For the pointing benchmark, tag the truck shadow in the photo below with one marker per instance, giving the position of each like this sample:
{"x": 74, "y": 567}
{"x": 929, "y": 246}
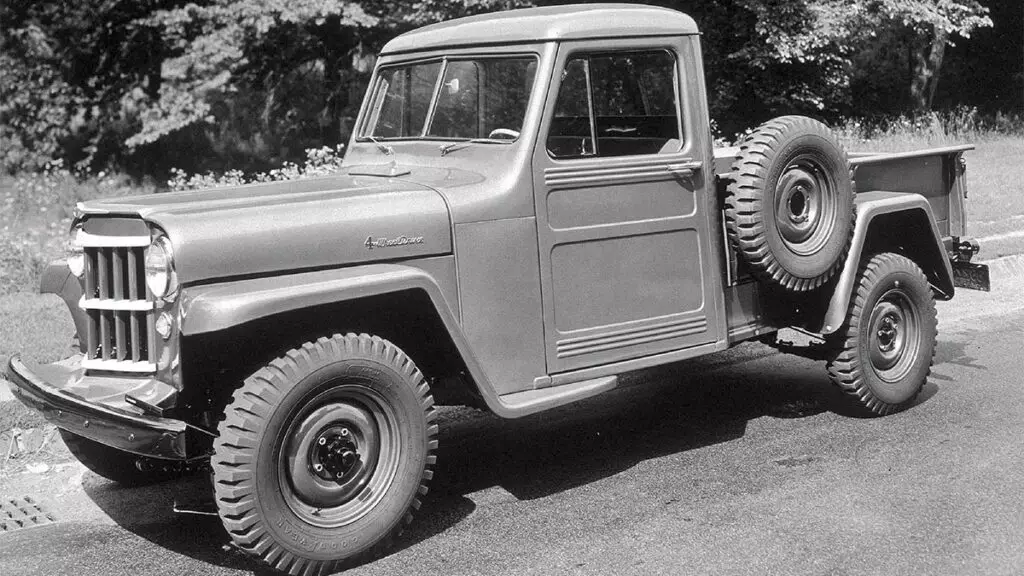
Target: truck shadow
{"x": 653, "y": 413}
{"x": 677, "y": 409}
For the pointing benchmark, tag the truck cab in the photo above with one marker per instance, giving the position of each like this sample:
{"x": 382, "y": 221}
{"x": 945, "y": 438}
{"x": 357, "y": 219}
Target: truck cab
{"x": 530, "y": 206}
{"x": 578, "y": 170}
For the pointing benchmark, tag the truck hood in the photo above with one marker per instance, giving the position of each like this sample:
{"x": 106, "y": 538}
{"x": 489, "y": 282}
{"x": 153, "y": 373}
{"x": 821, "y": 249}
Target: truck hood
{"x": 285, "y": 226}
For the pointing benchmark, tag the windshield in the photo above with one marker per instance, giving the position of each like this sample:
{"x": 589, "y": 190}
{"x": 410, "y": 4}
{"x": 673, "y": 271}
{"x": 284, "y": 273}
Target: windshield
{"x": 475, "y": 98}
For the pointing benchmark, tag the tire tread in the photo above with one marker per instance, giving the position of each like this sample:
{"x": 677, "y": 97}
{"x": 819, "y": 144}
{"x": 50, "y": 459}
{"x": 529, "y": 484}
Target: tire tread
{"x": 241, "y": 424}
{"x": 844, "y": 366}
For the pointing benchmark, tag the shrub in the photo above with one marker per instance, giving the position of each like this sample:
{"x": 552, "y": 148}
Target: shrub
{"x": 956, "y": 125}
{"x": 319, "y": 162}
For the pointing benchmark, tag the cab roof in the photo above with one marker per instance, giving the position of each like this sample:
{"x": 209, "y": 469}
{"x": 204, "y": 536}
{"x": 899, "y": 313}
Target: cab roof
{"x": 570, "y": 22}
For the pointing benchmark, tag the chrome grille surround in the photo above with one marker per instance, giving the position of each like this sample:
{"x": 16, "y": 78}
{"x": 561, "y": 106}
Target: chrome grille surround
{"x": 119, "y": 307}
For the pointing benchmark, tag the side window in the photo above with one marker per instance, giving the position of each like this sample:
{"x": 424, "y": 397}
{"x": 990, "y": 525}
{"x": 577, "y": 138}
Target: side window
{"x": 631, "y": 103}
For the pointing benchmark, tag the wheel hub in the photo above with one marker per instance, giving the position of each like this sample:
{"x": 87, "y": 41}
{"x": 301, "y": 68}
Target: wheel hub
{"x": 334, "y": 455}
{"x": 894, "y": 336}
{"x": 339, "y": 456}
{"x": 888, "y": 333}
{"x": 804, "y": 206}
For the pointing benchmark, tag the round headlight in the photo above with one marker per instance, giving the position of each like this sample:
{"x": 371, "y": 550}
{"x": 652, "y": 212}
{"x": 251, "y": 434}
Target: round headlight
{"x": 160, "y": 268}
{"x": 76, "y": 254}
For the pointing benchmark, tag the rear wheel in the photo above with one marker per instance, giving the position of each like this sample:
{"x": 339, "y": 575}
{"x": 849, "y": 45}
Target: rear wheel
{"x": 324, "y": 454}
{"x": 117, "y": 465}
{"x": 882, "y": 356}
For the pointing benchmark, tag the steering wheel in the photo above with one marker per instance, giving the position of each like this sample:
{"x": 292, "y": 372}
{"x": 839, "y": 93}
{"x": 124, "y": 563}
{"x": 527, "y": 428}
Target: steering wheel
{"x": 510, "y": 134}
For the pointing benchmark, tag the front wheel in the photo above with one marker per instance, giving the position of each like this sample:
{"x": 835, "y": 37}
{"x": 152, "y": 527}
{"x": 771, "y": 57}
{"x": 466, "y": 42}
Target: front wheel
{"x": 882, "y": 356}
{"x": 324, "y": 453}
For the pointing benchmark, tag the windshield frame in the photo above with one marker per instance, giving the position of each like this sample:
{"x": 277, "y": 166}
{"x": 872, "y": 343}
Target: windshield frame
{"x": 375, "y": 96}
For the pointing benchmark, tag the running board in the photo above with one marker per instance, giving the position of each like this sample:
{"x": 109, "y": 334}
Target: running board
{"x": 530, "y": 401}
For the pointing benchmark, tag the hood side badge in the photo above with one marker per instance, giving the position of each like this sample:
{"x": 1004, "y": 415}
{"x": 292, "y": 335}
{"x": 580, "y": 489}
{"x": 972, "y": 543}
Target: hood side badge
{"x": 385, "y": 242}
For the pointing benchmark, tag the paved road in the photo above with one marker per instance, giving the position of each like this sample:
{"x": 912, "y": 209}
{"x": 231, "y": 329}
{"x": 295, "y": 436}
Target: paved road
{"x": 741, "y": 463}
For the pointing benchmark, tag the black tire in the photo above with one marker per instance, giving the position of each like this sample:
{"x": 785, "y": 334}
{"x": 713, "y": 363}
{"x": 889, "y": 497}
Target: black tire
{"x": 789, "y": 210}
{"x": 117, "y": 465}
{"x": 311, "y": 506}
{"x": 882, "y": 356}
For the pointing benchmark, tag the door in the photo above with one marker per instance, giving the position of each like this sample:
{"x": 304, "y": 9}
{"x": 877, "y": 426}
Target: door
{"x": 621, "y": 218}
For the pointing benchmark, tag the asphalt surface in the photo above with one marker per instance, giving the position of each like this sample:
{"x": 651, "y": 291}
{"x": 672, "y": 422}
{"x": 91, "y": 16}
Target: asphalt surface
{"x": 739, "y": 463}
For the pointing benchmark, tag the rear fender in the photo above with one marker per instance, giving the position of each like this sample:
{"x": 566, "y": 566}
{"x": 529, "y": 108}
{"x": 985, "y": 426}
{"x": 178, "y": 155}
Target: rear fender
{"x": 213, "y": 308}
{"x": 891, "y": 222}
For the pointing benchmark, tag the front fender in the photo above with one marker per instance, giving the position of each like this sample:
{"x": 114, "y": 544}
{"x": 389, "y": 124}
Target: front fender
{"x": 57, "y": 279}
{"x": 212, "y": 308}
{"x": 930, "y": 253}
{"x": 217, "y": 307}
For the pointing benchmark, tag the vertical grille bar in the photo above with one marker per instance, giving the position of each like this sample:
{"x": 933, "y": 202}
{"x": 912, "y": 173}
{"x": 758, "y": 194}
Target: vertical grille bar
{"x": 150, "y": 336}
{"x": 91, "y": 272}
{"x": 121, "y": 332}
{"x": 92, "y": 335}
{"x": 103, "y": 274}
{"x": 118, "y": 256}
{"x": 134, "y": 278}
{"x": 133, "y": 274}
{"x": 105, "y": 333}
{"x": 136, "y": 348}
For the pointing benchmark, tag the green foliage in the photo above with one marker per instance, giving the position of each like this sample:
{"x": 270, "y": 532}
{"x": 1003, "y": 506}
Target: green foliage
{"x": 250, "y": 84}
{"x": 771, "y": 57}
{"x": 932, "y": 128}
{"x": 36, "y": 104}
{"x": 269, "y": 78}
{"x": 72, "y": 63}
{"x": 319, "y": 162}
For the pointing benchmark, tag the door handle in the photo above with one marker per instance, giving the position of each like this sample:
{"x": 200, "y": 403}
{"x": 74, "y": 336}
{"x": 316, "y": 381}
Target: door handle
{"x": 685, "y": 168}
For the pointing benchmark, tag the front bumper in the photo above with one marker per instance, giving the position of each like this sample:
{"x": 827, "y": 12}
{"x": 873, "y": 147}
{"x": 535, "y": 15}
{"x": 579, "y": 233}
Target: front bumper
{"x": 51, "y": 389}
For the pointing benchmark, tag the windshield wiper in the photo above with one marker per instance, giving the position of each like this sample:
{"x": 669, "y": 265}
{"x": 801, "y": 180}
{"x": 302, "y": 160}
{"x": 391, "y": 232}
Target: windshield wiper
{"x": 380, "y": 145}
{"x": 453, "y": 146}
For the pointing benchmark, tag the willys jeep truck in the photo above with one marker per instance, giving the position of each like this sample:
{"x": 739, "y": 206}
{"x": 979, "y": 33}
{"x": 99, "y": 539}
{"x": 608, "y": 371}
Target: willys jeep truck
{"x": 530, "y": 206}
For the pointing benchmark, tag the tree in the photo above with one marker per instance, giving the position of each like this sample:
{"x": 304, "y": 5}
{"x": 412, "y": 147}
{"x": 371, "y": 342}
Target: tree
{"x": 67, "y": 66}
{"x": 274, "y": 77}
{"x": 209, "y": 84}
{"x": 831, "y": 33}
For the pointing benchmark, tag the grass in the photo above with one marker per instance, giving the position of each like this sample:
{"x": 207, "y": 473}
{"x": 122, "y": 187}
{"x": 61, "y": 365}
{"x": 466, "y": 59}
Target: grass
{"x": 39, "y": 328}
{"x": 35, "y": 214}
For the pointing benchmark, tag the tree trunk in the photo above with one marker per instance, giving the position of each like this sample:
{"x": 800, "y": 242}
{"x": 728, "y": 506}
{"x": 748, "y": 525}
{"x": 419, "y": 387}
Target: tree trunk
{"x": 928, "y": 56}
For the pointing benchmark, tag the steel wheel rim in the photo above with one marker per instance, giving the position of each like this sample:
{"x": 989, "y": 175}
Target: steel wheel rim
{"x": 805, "y": 205}
{"x": 318, "y": 482}
{"x": 894, "y": 336}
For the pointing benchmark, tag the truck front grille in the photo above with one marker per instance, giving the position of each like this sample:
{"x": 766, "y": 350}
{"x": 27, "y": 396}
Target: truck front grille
{"x": 119, "y": 307}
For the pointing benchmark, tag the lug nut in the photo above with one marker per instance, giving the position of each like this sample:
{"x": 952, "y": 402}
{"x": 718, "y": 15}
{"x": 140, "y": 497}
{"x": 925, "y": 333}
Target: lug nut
{"x": 318, "y": 467}
{"x": 344, "y": 431}
{"x": 322, "y": 441}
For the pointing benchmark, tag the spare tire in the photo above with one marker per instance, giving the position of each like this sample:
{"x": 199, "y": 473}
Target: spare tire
{"x": 789, "y": 210}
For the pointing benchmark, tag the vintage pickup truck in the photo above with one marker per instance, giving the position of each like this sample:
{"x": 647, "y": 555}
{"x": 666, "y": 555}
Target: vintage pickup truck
{"x": 530, "y": 206}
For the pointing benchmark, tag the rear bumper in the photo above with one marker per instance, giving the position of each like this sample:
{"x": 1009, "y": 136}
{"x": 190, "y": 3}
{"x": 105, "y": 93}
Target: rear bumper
{"x": 44, "y": 388}
{"x": 965, "y": 273}
{"x": 971, "y": 276}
